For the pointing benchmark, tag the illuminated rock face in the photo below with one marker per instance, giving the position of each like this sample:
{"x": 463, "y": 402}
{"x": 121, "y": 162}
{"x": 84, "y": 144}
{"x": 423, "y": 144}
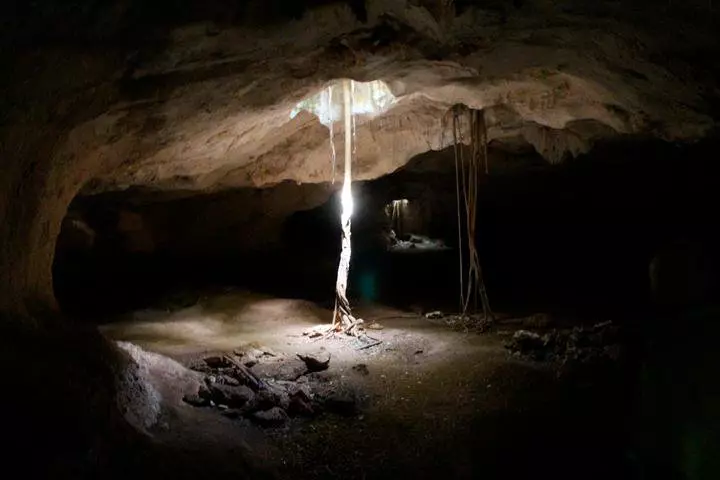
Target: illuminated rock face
{"x": 208, "y": 107}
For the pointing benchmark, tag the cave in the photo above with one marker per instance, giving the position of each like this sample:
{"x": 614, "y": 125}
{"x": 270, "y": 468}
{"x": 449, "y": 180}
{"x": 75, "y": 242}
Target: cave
{"x": 528, "y": 189}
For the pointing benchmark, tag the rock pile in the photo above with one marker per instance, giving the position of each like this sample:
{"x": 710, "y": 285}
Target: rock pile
{"x": 599, "y": 343}
{"x": 269, "y": 388}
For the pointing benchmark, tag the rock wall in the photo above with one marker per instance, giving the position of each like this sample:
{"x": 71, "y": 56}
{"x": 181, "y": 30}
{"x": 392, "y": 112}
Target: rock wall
{"x": 156, "y": 99}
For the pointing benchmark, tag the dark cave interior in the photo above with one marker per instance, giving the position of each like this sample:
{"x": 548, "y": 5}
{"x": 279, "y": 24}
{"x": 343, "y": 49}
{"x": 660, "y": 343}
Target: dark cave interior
{"x": 596, "y": 223}
{"x": 171, "y": 238}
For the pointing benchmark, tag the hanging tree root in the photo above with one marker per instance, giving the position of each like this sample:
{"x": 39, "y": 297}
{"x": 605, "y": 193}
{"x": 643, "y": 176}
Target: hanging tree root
{"x": 345, "y": 322}
{"x": 467, "y": 173}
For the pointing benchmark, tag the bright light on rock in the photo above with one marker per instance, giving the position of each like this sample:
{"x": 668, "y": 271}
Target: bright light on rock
{"x": 369, "y": 98}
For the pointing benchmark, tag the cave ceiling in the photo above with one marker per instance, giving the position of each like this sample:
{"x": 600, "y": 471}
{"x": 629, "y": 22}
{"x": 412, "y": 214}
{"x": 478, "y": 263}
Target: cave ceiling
{"x": 208, "y": 107}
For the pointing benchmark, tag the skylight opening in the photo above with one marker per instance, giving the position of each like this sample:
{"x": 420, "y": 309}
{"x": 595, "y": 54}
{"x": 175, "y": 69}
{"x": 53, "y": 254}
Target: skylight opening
{"x": 369, "y": 99}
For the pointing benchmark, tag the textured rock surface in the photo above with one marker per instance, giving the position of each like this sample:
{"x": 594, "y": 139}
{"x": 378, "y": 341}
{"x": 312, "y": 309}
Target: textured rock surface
{"x": 199, "y": 103}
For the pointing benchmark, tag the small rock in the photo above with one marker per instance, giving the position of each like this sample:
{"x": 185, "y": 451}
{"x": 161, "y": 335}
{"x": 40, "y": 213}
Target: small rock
{"x": 231, "y": 396}
{"x": 302, "y": 391}
{"x": 316, "y": 362}
{"x": 434, "y": 315}
{"x": 269, "y": 398}
{"x": 361, "y": 368}
{"x": 228, "y": 380}
{"x": 273, "y": 417}
{"x": 196, "y": 400}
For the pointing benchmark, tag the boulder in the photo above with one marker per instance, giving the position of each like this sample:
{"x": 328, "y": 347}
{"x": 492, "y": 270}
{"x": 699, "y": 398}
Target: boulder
{"x": 274, "y": 417}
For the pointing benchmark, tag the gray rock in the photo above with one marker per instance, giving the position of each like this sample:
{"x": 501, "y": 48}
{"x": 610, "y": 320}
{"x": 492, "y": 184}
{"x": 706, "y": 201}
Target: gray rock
{"x": 270, "y": 397}
{"x": 231, "y": 396}
{"x": 316, "y": 362}
{"x": 301, "y": 390}
{"x": 228, "y": 380}
{"x": 280, "y": 369}
{"x": 273, "y": 417}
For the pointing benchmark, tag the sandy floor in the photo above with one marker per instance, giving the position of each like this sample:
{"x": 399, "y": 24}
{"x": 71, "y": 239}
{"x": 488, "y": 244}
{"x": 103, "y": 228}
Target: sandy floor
{"x": 439, "y": 402}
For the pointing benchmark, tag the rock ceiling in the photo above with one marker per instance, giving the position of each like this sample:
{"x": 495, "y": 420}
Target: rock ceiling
{"x": 211, "y": 109}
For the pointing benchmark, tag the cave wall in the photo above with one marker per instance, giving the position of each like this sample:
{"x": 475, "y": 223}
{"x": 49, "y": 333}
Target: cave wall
{"x": 119, "y": 95}
{"x": 125, "y": 249}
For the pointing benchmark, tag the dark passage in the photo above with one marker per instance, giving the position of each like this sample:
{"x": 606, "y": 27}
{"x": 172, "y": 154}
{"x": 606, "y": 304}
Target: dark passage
{"x": 591, "y": 236}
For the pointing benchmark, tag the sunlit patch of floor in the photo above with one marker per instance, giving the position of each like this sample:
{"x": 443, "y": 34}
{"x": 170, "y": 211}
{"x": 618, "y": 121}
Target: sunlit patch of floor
{"x": 217, "y": 323}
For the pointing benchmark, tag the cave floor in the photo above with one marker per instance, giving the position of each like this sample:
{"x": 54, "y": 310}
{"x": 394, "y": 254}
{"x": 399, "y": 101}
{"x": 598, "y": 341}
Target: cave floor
{"x": 440, "y": 402}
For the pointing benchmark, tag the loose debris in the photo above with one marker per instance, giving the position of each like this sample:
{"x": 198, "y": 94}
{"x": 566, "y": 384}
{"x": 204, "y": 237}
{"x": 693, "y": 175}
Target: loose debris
{"x": 468, "y": 323}
{"x": 270, "y": 388}
{"x": 600, "y": 343}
